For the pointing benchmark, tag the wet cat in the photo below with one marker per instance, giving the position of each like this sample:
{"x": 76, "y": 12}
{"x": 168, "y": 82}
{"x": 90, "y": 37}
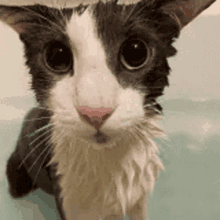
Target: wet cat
{"x": 97, "y": 71}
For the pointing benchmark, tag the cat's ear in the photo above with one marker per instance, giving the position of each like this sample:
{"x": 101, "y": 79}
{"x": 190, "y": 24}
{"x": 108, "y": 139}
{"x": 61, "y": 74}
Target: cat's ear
{"x": 186, "y": 10}
{"x": 13, "y": 17}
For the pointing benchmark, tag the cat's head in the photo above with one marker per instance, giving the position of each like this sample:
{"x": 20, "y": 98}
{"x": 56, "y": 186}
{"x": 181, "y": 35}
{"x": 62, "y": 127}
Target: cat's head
{"x": 101, "y": 60}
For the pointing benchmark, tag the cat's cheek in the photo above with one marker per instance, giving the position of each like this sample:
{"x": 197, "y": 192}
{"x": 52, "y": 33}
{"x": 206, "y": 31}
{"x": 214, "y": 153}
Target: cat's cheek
{"x": 62, "y": 96}
{"x": 129, "y": 111}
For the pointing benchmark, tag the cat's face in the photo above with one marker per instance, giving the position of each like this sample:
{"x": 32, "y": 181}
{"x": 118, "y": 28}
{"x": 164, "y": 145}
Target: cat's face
{"x": 104, "y": 55}
{"x": 131, "y": 43}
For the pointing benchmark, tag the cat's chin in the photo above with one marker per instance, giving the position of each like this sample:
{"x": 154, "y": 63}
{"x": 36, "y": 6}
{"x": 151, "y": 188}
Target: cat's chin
{"x": 100, "y": 141}
{"x": 100, "y": 138}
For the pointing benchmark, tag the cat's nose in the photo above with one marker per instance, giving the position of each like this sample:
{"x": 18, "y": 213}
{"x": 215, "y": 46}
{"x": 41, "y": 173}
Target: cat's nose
{"x": 94, "y": 116}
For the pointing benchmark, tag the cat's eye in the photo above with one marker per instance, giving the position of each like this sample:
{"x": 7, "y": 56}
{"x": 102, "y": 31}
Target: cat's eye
{"x": 134, "y": 54}
{"x": 58, "y": 57}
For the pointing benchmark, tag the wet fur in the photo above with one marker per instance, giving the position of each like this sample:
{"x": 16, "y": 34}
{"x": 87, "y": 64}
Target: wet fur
{"x": 89, "y": 181}
{"x": 104, "y": 183}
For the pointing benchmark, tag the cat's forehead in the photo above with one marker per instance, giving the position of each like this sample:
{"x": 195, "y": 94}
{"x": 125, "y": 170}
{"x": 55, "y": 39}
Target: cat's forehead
{"x": 87, "y": 47}
{"x": 90, "y": 26}
{"x": 109, "y": 19}
{"x": 112, "y": 23}
{"x": 81, "y": 29}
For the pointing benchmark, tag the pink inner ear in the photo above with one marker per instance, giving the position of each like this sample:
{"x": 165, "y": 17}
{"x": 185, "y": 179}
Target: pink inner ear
{"x": 187, "y": 10}
{"x": 19, "y": 28}
{"x": 192, "y": 8}
{"x": 12, "y": 19}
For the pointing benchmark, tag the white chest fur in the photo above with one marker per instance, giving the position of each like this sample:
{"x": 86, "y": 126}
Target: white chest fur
{"x": 110, "y": 180}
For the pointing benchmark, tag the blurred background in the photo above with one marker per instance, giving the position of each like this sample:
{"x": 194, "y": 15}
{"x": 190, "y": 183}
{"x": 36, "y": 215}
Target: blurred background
{"x": 189, "y": 188}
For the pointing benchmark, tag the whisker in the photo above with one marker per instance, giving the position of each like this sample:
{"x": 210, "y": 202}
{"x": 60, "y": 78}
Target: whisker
{"x": 40, "y": 154}
{"x": 43, "y": 17}
{"x": 53, "y": 110}
{"x": 44, "y": 108}
{"x": 39, "y": 130}
{"x": 54, "y": 140}
{"x": 40, "y": 136}
{"x": 63, "y": 6}
{"x": 38, "y": 172}
{"x": 26, "y": 157}
{"x": 138, "y": 133}
{"x": 56, "y": 4}
{"x": 129, "y": 16}
{"x": 137, "y": 13}
{"x": 36, "y": 119}
{"x": 47, "y": 109}
{"x": 151, "y": 107}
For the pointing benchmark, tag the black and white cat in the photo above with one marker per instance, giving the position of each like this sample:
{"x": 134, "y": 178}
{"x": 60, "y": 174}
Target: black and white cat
{"x": 97, "y": 71}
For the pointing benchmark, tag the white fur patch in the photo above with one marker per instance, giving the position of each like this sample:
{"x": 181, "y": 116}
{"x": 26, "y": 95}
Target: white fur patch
{"x": 113, "y": 176}
{"x": 93, "y": 84}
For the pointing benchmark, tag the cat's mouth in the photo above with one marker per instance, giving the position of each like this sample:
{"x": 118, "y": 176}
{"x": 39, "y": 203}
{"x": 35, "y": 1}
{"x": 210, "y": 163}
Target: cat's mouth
{"x": 100, "y": 137}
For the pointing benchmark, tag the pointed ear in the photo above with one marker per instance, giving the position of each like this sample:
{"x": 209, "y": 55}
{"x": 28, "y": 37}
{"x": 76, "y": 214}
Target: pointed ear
{"x": 186, "y": 10}
{"x": 13, "y": 17}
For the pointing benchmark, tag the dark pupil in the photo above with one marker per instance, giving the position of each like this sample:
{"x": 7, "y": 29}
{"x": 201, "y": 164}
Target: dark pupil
{"x": 58, "y": 57}
{"x": 135, "y": 53}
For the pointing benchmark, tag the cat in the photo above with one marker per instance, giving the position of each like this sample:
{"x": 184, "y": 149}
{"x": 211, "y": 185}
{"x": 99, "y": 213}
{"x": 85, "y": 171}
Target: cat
{"x": 97, "y": 71}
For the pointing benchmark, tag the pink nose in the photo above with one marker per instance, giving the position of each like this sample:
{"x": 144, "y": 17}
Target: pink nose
{"x": 94, "y": 116}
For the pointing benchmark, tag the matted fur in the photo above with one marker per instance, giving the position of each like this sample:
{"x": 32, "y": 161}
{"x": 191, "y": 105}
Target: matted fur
{"x": 112, "y": 179}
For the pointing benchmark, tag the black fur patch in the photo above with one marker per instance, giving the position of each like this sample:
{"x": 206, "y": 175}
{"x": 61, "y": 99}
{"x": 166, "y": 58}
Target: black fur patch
{"x": 116, "y": 23}
{"x": 41, "y": 26}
